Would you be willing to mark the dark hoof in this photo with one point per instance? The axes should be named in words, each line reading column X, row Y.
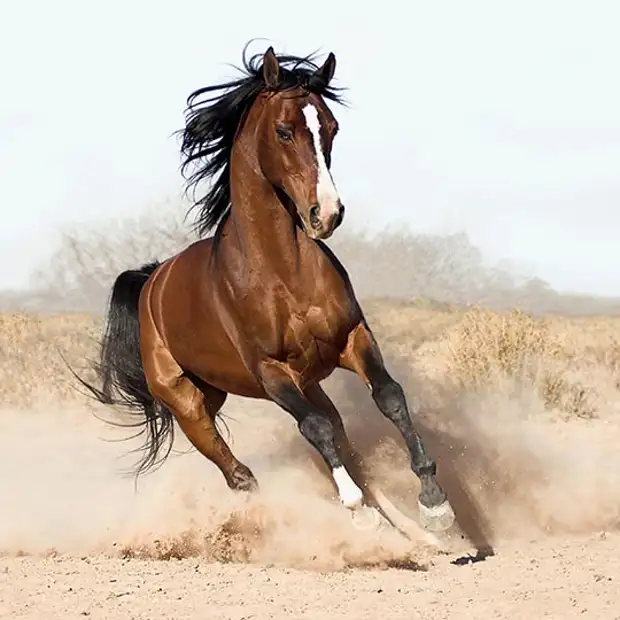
column 243, row 480
column 438, row 518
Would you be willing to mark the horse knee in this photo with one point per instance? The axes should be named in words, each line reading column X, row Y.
column 390, row 399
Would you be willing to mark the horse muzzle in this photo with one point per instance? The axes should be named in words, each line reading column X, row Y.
column 322, row 222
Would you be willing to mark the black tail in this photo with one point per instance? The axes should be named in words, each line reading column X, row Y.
column 121, row 372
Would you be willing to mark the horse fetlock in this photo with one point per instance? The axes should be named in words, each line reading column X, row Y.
column 319, row 431
column 425, row 469
column 431, row 493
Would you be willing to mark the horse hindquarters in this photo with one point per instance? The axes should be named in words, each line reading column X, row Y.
column 194, row 409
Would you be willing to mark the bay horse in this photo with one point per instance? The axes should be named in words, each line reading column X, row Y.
column 262, row 308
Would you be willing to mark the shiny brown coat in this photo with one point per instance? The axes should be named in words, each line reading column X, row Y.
column 262, row 309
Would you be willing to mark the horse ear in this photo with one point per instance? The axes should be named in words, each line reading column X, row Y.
column 326, row 72
column 271, row 69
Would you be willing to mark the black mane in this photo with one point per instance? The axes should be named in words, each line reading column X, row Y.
column 211, row 125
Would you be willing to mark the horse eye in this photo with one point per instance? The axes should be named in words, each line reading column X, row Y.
column 284, row 134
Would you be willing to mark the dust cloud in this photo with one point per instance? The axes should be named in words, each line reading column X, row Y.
column 64, row 492
column 510, row 470
column 508, row 473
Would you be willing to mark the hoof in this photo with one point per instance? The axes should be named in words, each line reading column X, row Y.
column 438, row 518
column 243, row 480
column 366, row 518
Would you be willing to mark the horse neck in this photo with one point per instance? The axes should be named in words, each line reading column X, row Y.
column 264, row 229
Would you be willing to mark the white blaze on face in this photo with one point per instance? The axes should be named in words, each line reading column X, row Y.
column 326, row 193
column 350, row 494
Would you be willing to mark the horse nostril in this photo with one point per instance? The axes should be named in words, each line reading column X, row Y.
column 314, row 215
column 340, row 215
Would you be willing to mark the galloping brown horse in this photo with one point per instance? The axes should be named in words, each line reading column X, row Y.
column 262, row 308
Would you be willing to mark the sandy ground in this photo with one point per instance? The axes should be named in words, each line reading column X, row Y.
column 538, row 486
column 78, row 540
column 575, row 578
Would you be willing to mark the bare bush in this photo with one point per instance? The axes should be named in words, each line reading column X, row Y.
column 79, row 275
column 487, row 347
column 403, row 265
column 397, row 264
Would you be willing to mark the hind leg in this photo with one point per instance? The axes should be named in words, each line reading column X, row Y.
column 199, row 427
column 195, row 410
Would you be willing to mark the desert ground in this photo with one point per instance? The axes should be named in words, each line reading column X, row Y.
column 522, row 414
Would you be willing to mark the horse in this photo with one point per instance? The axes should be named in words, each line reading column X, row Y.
column 262, row 308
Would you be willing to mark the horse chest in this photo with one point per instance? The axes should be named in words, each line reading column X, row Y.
column 312, row 342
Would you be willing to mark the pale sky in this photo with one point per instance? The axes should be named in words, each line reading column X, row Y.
column 501, row 119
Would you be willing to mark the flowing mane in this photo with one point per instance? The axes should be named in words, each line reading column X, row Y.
column 212, row 123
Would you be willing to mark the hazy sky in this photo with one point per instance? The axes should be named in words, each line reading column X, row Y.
column 501, row 119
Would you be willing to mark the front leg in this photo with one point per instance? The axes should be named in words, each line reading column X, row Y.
column 316, row 425
column 362, row 356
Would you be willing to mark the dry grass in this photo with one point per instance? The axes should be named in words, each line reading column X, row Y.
column 32, row 348
column 571, row 364
column 609, row 357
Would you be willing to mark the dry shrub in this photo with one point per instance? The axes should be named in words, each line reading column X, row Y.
column 613, row 360
column 608, row 356
column 402, row 327
column 487, row 347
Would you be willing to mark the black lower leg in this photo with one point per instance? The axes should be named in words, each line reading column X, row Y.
column 319, row 432
column 390, row 399
column 313, row 424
